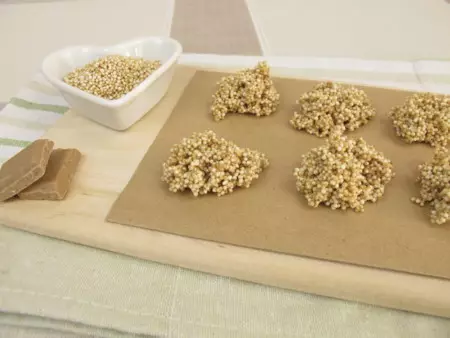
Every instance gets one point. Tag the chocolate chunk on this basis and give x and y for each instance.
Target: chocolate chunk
(25, 168)
(55, 183)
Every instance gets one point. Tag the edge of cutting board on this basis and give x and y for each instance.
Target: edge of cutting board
(390, 289)
(86, 225)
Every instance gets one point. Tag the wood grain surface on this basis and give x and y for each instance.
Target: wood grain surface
(110, 159)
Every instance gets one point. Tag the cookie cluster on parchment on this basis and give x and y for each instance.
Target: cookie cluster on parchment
(343, 174)
(330, 105)
(250, 91)
(206, 163)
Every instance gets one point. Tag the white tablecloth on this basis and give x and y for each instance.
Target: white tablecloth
(50, 288)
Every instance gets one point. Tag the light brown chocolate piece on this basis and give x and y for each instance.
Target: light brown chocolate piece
(55, 184)
(25, 168)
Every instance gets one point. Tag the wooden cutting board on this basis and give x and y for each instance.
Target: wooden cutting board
(110, 159)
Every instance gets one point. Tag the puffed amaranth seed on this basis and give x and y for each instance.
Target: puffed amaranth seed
(112, 76)
(205, 163)
(250, 91)
(424, 117)
(330, 105)
(434, 180)
(343, 174)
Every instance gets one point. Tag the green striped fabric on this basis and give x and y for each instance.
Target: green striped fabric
(28, 115)
(14, 142)
(18, 102)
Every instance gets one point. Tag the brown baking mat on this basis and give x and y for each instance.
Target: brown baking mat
(393, 233)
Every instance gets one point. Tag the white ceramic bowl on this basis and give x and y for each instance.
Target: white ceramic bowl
(117, 114)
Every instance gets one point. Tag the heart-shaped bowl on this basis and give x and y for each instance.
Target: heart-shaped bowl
(121, 113)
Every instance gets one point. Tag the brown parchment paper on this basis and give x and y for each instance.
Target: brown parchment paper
(271, 215)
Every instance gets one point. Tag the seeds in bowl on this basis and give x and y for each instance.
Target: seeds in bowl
(205, 163)
(111, 76)
(330, 105)
(424, 117)
(434, 180)
(250, 91)
(343, 174)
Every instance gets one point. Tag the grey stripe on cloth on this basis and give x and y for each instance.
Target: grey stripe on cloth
(28, 1)
(215, 27)
(27, 326)
(2, 105)
(10, 331)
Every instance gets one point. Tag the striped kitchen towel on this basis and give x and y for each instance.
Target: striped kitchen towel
(28, 115)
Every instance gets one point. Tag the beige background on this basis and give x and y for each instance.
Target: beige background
(379, 29)
(382, 29)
